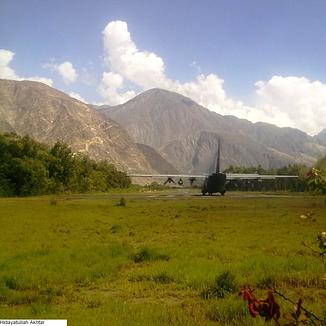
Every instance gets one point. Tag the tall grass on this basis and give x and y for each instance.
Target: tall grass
(149, 263)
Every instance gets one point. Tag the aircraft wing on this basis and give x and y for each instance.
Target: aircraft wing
(229, 176)
(168, 175)
(256, 176)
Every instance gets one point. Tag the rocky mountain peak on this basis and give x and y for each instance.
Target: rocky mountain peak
(49, 115)
(185, 134)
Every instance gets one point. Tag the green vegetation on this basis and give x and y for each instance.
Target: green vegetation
(309, 179)
(222, 285)
(290, 184)
(291, 169)
(30, 168)
(159, 260)
(317, 176)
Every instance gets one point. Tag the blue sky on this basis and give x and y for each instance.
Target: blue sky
(280, 43)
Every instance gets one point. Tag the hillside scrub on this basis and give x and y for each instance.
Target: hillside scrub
(28, 167)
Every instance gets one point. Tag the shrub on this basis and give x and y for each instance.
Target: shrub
(222, 285)
(115, 228)
(122, 202)
(13, 283)
(147, 254)
(154, 186)
(30, 168)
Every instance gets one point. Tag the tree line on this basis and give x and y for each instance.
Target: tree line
(28, 167)
(309, 178)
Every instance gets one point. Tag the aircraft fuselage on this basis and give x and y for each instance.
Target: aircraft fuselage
(214, 183)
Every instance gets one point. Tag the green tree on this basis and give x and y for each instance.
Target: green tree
(30, 168)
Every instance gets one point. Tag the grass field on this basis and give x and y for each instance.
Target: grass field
(152, 262)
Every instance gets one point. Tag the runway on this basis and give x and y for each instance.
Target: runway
(179, 194)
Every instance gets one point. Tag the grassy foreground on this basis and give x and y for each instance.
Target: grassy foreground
(88, 260)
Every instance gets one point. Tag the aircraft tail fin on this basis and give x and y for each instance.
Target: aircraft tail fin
(218, 156)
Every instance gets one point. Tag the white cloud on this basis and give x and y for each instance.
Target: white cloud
(77, 97)
(67, 72)
(127, 64)
(209, 92)
(293, 101)
(110, 89)
(6, 72)
(146, 70)
(285, 101)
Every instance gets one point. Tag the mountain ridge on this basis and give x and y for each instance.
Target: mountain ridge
(185, 133)
(49, 115)
(321, 137)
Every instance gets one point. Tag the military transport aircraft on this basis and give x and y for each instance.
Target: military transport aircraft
(215, 182)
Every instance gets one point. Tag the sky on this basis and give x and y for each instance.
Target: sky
(257, 60)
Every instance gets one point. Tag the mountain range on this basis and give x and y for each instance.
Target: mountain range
(49, 115)
(186, 134)
(157, 131)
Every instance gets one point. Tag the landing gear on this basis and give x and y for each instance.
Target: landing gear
(169, 180)
(192, 180)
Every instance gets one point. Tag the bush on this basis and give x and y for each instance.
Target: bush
(147, 254)
(154, 186)
(29, 168)
(222, 285)
(122, 202)
(12, 283)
